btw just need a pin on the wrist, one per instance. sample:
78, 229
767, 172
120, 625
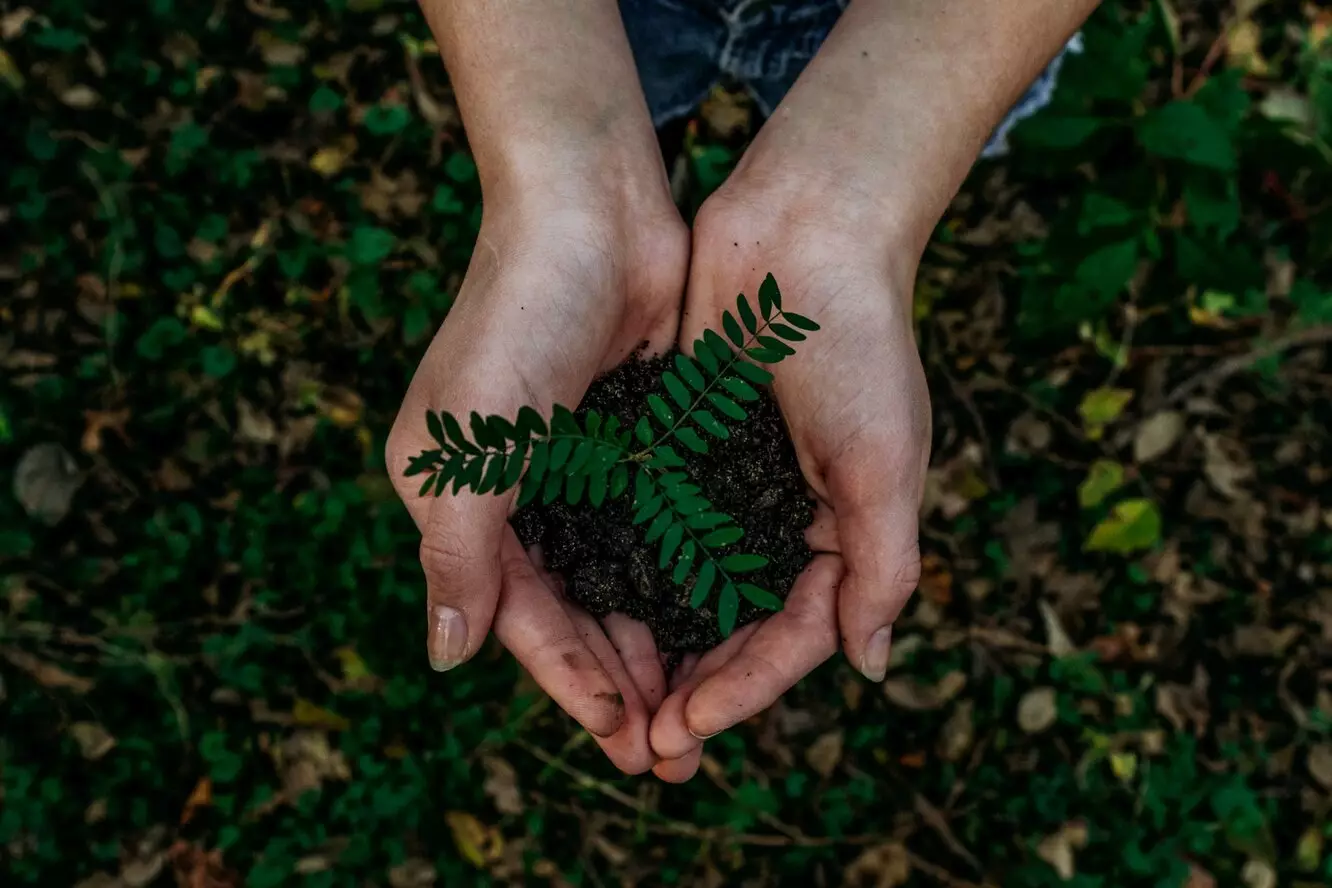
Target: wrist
840, 195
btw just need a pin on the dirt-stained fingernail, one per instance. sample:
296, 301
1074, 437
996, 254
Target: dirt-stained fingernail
874, 662
446, 637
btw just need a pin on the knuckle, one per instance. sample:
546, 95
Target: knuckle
443, 559
907, 576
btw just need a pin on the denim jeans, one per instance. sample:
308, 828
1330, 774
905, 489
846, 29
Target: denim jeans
684, 47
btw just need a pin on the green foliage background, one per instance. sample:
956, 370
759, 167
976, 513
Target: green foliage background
233, 228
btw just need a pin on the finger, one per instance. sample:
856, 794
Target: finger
460, 553
638, 652
679, 770
628, 747
670, 735
787, 647
534, 627
881, 549
821, 535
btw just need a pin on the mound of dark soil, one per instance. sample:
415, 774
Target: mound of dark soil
605, 563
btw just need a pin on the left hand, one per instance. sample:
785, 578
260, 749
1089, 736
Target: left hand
856, 405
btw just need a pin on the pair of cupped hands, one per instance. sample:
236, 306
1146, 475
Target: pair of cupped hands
566, 283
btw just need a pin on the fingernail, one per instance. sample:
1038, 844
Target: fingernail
703, 737
874, 662
446, 638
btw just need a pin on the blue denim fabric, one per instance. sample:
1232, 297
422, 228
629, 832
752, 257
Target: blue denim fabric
684, 47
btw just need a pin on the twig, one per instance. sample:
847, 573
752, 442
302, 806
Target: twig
656, 822
1219, 373
964, 395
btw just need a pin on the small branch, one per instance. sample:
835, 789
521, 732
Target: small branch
736, 358
1220, 372
657, 822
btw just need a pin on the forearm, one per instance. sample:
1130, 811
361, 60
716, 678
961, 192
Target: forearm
899, 101
548, 92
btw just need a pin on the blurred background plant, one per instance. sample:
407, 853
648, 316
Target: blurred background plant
232, 230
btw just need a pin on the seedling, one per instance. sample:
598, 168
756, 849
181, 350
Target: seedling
599, 458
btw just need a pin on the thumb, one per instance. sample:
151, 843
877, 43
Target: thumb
460, 552
881, 551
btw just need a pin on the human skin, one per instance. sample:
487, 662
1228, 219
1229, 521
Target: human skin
837, 197
580, 259
582, 256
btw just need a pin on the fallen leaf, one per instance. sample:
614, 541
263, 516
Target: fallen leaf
1102, 406
502, 785
303, 712
1157, 434
97, 421
1056, 639
1131, 526
1226, 465
1244, 48
1320, 764
254, 427
477, 843
305, 760
200, 797
329, 161
45, 482
1103, 478
80, 97
882, 866
1199, 878
1058, 849
908, 693
1258, 874
958, 733
277, 51
93, 739
1124, 765
47, 674
1309, 850
1037, 710
825, 753
414, 872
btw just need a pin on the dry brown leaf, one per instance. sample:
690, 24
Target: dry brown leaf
200, 797
45, 482
958, 733
414, 872
255, 427
502, 785
48, 674
1058, 849
94, 740
1038, 710
1057, 639
908, 693
1226, 465
1259, 874
1199, 877
882, 866
1320, 764
825, 753
80, 97
1157, 434
97, 421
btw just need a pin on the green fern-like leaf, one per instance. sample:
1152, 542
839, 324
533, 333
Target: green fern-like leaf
746, 314
589, 458
728, 607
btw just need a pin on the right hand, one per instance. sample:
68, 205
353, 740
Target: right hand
555, 294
